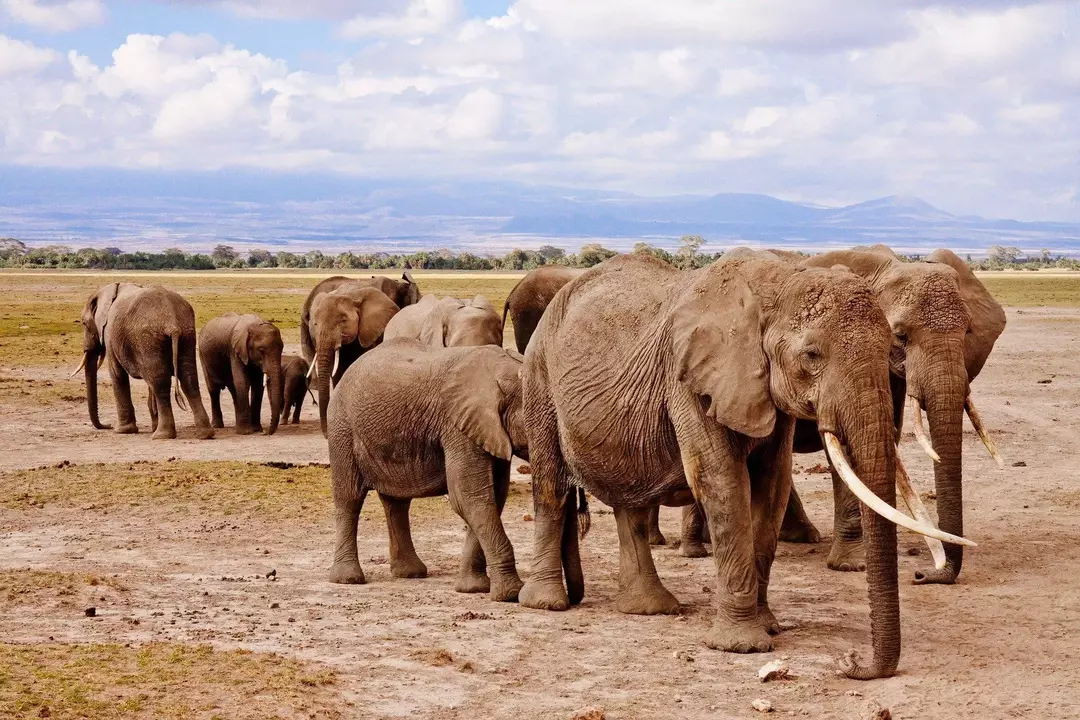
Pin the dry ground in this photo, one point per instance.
(172, 542)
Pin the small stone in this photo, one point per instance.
(272, 574)
(876, 712)
(914, 551)
(589, 713)
(527, 517)
(90, 611)
(1045, 381)
(292, 619)
(854, 693)
(525, 469)
(275, 606)
(1019, 463)
(762, 705)
(773, 670)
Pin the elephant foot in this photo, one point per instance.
(693, 549)
(244, 430)
(506, 588)
(738, 637)
(543, 596)
(656, 537)
(257, 429)
(646, 599)
(412, 567)
(127, 429)
(800, 533)
(218, 423)
(847, 556)
(768, 620)
(473, 582)
(204, 433)
(347, 572)
(933, 576)
(164, 433)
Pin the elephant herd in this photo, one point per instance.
(643, 384)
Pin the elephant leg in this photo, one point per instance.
(257, 389)
(847, 553)
(215, 405)
(544, 589)
(474, 495)
(125, 410)
(770, 485)
(151, 405)
(241, 404)
(473, 577)
(296, 413)
(797, 527)
(285, 413)
(166, 424)
(404, 562)
(187, 373)
(693, 530)
(348, 502)
(640, 589)
(655, 536)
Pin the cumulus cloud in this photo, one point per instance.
(972, 108)
(55, 16)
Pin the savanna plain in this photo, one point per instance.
(205, 561)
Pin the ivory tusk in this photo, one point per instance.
(311, 370)
(100, 360)
(976, 422)
(337, 361)
(81, 366)
(920, 432)
(918, 511)
(872, 501)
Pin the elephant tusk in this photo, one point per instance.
(312, 370)
(81, 366)
(337, 361)
(918, 511)
(976, 422)
(847, 474)
(920, 432)
(100, 360)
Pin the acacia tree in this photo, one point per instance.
(690, 246)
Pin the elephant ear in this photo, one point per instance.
(240, 341)
(374, 310)
(482, 303)
(473, 401)
(105, 298)
(436, 327)
(717, 339)
(987, 316)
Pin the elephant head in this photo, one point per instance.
(408, 292)
(944, 323)
(455, 323)
(95, 318)
(757, 336)
(484, 400)
(350, 316)
(257, 341)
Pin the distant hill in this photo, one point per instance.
(151, 210)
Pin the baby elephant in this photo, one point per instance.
(408, 421)
(297, 385)
(236, 351)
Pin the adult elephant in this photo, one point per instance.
(944, 324)
(344, 323)
(144, 333)
(403, 292)
(237, 351)
(527, 300)
(645, 384)
(448, 322)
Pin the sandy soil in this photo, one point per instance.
(1003, 643)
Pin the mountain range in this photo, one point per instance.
(143, 210)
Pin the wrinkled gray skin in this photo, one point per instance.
(409, 420)
(297, 384)
(643, 382)
(530, 297)
(344, 323)
(143, 333)
(237, 351)
(448, 322)
(944, 323)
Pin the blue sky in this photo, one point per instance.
(973, 106)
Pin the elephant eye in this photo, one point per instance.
(812, 356)
(901, 338)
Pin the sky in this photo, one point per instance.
(973, 106)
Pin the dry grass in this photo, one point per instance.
(24, 587)
(1034, 290)
(160, 680)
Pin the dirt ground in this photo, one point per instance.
(177, 567)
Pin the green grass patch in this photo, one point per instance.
(1034, 291)
(160, 680)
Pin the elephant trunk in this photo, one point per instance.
(325, 353)
(868, 428)
(91, 358)
(276, 390)
(943, 397)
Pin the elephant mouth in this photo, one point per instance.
(976, 422)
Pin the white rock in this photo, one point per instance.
(762, 706)
(773, 670)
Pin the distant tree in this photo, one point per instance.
(1045, 256)
(550, 253)
(223, 255)
(593, 254)
(689, 250)
(10, 247)
(261, 258)
(644, 248)
(114, 251)
(1005, 255)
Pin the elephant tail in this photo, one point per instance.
(177, 395)
(584, 520)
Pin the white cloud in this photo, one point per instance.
(19, 58)
(55, 16)
(420, 17)
(476, 117)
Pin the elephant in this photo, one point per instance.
(403, 292)
(409, 420)
(645, 384)
(236, 352)
(344, 323)
(448, 322)
(297, 384)
(944, 325)
(527, 300)
(145, 333)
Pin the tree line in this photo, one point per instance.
(16, 254)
